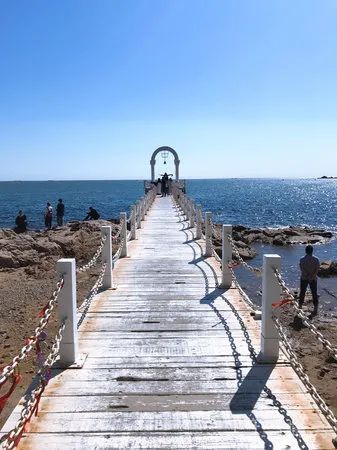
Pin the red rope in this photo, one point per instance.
(282, 302)
(16, 378)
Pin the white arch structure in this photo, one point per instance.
(153, 160)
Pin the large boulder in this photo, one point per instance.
(327, 269)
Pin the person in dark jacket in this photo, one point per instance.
(92, 214)
(20, 222)
(60, 212)
(309, 266)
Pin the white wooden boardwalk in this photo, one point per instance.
(169, 365)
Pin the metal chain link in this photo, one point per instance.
(8, 370)
(242, 292)
(304, 377)
(117, 235)
(117, 255)
(255, 270)
(324, 341)
(9, 441)
(83, 309)
(94, 259)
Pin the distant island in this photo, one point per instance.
(324, 177)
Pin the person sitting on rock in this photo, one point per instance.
(309, 266)
(92, 214)
(21, 222)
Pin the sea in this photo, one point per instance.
(250, 202)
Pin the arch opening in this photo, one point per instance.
(176, 161)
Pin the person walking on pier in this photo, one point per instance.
(21, 223)
(92, 214)
(48, 216)
(309, 266)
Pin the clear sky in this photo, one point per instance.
(240, 88)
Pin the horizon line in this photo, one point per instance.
(181, 179)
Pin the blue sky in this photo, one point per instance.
(89, 89)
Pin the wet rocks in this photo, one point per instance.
(328, 269)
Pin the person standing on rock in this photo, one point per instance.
(309, 266)
(60, 212)
(48, 216)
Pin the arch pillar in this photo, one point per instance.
(177, 162)
(153, 163)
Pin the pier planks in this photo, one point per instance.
(168, 364)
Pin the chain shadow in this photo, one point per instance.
(248, 387)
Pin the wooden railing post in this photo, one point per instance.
(208, 234)
(271, 292)
(142, 208)
(124, 234)
(199, 222)
(67, 307)
(226, 280)
(133, 221)
(107, 256)
(192, 217)
(139, 214)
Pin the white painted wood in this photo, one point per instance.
(168, 364)
(225, 440)
(67, 307)
(124, 232)
(139, 216)
(271, 292)
(199, 222)
(208, 234)
(107, 256)
(133, 222)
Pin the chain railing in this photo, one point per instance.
(68, 309)
(83, 309)
(31, 341)
(255, 270)
(244, 296)
(116, 237)
(11, 439)
(326, 411)
(94, 259)
(290, 298)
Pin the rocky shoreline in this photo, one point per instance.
(244, 237)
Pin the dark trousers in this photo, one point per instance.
(59, 221)
(313, 288)
(48, 221)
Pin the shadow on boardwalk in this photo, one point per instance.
(255, 382)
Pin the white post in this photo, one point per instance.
(192, 218)
(139, 214)
(142, 207)
(107, 256)
(208, 234)
(271, 292)
(226, 281)
(199, 222)
(124, 234)
(68, 311)
(133, 221)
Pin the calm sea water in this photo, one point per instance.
(251, 202)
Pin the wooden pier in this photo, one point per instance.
(170, 362)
